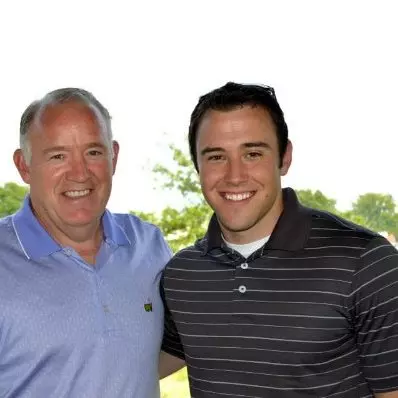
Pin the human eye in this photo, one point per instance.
(57, 156)
(215, 158)
(95, 152)
(252, 155)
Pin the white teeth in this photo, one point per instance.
(77, 194)
(238, 196)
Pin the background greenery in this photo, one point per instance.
(182, 226)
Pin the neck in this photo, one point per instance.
(88, 250)
(85, 240)
(86, 247)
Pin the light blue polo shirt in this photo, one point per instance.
(71, 330)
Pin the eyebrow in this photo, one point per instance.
(211, 149)
(59, 148)
(63, 148)
(256, 144)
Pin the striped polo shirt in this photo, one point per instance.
(312, 313)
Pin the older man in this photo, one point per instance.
(80, 311)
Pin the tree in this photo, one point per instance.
(11, 198)
(378, 211)
(317, 200)
(181, 227)
(185, 179)
(355, 218)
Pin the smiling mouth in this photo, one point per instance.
(77, 194)
(238, 197)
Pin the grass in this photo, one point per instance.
(175, 385)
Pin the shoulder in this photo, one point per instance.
(5, 223)
(195, 251)
(189, 257)
(379, 257)
(338, 232)
(142, 234)
(134, 224)
(9, 242)
(325, 224)
(6, 229)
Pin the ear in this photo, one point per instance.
(287, 159)
(22, 166)
(115, 146)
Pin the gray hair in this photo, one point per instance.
(62, 96)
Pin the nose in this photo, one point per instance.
(78, 170)
(236, 172)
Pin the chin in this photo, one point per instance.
(79, 222)
(80, 219)
(235, 227)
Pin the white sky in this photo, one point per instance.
(332, 63)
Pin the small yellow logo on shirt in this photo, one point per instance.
(148, 307)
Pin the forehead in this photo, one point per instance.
(65, 120)
(65, 114)
(242, 124)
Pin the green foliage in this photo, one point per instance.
(11, 197)
(184, 179)
(181, 227)
(316, 200)
(371, 210)
(175, 385)
(355, 218)
(378, 211)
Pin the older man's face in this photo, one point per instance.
(71, 168)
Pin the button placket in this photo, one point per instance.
(102, 308)
(241, 267)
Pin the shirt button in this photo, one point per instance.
(68, 251)
(244, 266)
(105, 308)
(242, 289)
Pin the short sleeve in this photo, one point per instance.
(171, 340)
(374, 301)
